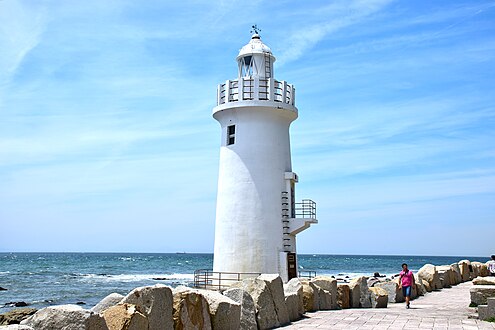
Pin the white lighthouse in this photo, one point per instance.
(257, 217)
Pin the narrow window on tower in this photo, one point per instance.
(230, 135)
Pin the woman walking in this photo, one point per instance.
(406, 282)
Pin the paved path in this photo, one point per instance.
(445, 309)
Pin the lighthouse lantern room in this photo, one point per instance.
(257, 216)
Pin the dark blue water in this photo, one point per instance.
(42, 279)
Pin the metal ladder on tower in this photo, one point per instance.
(285, 222)
(268, 67)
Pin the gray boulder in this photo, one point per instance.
(294, 299)
(225, 313)
(379, 297)
(266, 316)
(343, 296)
(429, 273)
(111, 300)
(445, 274)
(480, 293)
(328, 300)
(15, 316)
(248, 310)
(364, 292)
(65, 317)
(310, 296)
(156, 302)
(464, 266)
(354, 294)
(122, 317)
(394, 294)
(457, 273)
(190, 311)
(276, 287)
(484, 280)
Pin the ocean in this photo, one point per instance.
(43, 279)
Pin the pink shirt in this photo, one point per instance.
(406, 278)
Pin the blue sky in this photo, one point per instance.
(107, 141)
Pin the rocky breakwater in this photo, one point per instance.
(263, 302)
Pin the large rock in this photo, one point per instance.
(248, 310)
(123, 317)
(266, 316)
(394, 294)
(464, 266)
(343, 296)
(15, 316)
(225, 313)
(111, 300)
(294, 299)
(276, 287)
(426, 284)
(445, 274)
(484, 270)
(484, 280)
(364, 292)
(190, 311)
(480, 293)
(457, 273)
(354, 294)
(328, 300)
(156, 302)
(379, 297)
(310, 296)
(66, 317)
(429, 273)
(420, 286)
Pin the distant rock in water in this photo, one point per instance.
(159, 278)
(16, 316)
(2, 289)
(15, 304)
(80, 303)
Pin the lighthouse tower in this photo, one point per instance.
(257, 217)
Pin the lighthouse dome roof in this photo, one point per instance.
(254, 46)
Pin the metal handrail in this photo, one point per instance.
(307, 274)
(305, 209)
(208, 279)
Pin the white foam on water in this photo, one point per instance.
(138, 277)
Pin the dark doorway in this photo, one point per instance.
(291, 265)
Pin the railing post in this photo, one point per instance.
(240, 90)
(271, 95)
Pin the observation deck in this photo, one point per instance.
(256, 91)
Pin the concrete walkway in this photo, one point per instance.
(445, 309)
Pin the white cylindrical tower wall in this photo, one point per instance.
(248, 231)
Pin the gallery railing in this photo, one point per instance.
(208, 279)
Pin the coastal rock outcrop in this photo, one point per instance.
(111, 300)
(343, 296)
(328, 298)
(190, 311)
(248, 310)
(379, 297)
(266, 316)
(70, 317)
(429, 273)
(156, 302)
(294, 300)
(354, 294)
(15, 316)
(364, 292)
